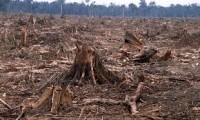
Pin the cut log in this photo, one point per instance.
(130, 101)
(145, 56)
(44, 97)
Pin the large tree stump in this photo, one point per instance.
(87, 67)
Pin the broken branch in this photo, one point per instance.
(81, 113)
(132, 101)
(4, 103)
(129, 101)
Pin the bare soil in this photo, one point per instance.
(172, 86)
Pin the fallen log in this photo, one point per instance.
(130, 101)
(145, 56)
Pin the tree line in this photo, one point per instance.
(89, 8)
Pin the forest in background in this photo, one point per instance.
(90, 8)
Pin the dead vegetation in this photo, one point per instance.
(121, 69)
(87, 66)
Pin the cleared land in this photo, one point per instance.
(172, 86)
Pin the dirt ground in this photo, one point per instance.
(172, 86)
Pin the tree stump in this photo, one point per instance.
(32, 19)
(131, 41)
(24, 34)
(87, 66)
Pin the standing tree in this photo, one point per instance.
(93, 8)
(123, 7)
(87, 2)
(132, 9)
(111, 8)
(28, 5)
(3, 4)
(152, 4)
(143, 8)
(143, 4)
(152, 9)
(61, 2)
